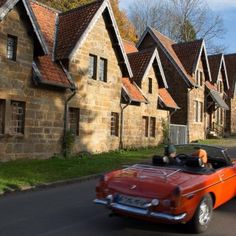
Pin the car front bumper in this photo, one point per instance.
(141, 212)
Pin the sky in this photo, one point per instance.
(226, 9)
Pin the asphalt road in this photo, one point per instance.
(68, 210)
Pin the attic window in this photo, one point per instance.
(199, 78)
(149, 85)
(103, 69)
(220, 86)
(92, 70)
(11, 47)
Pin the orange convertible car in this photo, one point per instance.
(184, 192)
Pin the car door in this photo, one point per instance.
(227, 182)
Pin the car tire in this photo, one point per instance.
(203, 215)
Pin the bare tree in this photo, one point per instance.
(181, 20)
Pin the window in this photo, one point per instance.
(92, 70)
(198, 111)
(153, 127)
(74, 118)
(199, 78)
(150, 85)
(145, 126)
(103, 69)
(2, 115)
(11, 47)
(114, 124)
(17, 117)
(220, 86)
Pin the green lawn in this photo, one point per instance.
(25, 173)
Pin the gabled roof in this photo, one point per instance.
(46, 18)
(230, 61)
(48, 71)
(74, 26)
(8, 5)
(166, 99)
(133, 92)
(217, 64)
(142, 61)
(129, 46)
(184, 56)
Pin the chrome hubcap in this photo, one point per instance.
(204, 214)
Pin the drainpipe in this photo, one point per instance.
(188, 112)
(121, 145)
(73, 90)
(66, 121)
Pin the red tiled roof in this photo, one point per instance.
(139, 62)
(230, 61)
(180, 53)
(51, 72)
(129, 46)
(72, 25)
(167, 99)
(211, 86)
(46, 18)
(214, 63)
(133, 91)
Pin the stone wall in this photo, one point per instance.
(233, 116)
(43, 108)
(96, 99)
(133, 117)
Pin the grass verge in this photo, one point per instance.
(25, 173)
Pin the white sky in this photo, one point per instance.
(222, 4)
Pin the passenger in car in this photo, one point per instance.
(202, 155)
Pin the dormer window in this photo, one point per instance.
(150, 85)
(199, 78)
(11, 47)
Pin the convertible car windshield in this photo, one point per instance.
(187, 160)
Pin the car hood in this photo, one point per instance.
(148, 182)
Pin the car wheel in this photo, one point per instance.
(203, 215)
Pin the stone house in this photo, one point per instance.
(216, 97)
(230, 61)
(156, 104)
(33, 88)
(68, 71)
(187, 71)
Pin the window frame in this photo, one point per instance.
(17, 129)
(103, 78)
(153, 127)
(115, 124)
(145, 126)
(12, 48)
(150, 85)
(76, 112)
(198, 111)
(92, 67)
(2, 116)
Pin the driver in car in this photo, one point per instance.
(170, 155)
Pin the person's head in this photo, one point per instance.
(202, 154)
(170, 150)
